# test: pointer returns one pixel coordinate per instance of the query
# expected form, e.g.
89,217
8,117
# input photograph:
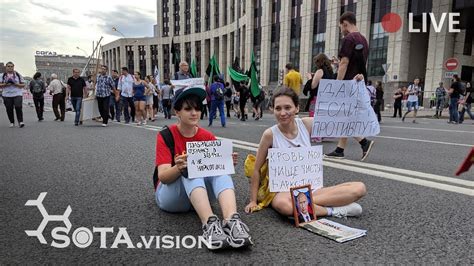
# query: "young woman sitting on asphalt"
290,132
178,193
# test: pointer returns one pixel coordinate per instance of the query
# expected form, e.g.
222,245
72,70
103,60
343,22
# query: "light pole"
79,48
115,29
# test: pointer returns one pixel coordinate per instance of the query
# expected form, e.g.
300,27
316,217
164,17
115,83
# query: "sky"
62,26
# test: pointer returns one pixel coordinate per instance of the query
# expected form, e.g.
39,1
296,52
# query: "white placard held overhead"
295,167
209,158
194,82
343,110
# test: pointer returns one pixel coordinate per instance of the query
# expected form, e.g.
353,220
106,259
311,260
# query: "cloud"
49,7
62,22
131,22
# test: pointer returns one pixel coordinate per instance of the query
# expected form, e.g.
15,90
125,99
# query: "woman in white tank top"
290,132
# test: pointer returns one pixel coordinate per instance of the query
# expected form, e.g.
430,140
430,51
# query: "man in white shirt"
125,86
412,101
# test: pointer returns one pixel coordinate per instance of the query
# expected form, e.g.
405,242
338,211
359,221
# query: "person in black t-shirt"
454,93
353,58
397,105
76,90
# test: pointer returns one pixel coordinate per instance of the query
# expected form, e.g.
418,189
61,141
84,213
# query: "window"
207,17
187,17
176,17
165,19
197,13
187,52
257,36
166,61
154,57
319,30
198,57
142,60
225,12
295,32
378,43
216,14
129,58
274,38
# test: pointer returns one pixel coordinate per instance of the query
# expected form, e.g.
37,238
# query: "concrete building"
283,31
62,65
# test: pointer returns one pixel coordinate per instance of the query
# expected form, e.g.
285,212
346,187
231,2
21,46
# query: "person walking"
167,97
37,89
244,94
125,86
139,99
397,104
466,103
104,87
293,79
412,101
149,89
228,98
114,103
58,89
217,101
76,90
353,58
454,94
440,94
12,84
378,100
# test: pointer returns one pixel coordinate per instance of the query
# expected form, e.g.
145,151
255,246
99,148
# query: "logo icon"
47,218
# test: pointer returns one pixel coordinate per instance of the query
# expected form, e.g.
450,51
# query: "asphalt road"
422,215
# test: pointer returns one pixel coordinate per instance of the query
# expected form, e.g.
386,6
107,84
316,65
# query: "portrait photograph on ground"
302,204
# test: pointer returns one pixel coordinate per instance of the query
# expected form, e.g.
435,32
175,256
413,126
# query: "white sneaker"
144,122
104,125
12,125
351,210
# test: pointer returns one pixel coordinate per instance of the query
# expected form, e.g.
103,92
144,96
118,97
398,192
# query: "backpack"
36,87
219,94
17,75
168,138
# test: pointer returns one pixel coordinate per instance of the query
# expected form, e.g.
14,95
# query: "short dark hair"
215,78
456,77
227,84
115,71
289,66
106,67
286,92
190,100
37,75
348,16
125,68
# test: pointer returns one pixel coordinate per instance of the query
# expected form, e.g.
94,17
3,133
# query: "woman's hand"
235,157
181,161
250,207
309,76
359,77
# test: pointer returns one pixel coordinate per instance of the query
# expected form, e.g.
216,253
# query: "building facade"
62,65
293,31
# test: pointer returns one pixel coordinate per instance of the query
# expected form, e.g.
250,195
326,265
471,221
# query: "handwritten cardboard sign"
209,158
343,110
194,82
295,167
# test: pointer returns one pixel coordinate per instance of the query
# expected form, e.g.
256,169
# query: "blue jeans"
214,105
174,197
76,103
453,110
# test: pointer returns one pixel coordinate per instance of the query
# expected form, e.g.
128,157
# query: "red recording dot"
391,22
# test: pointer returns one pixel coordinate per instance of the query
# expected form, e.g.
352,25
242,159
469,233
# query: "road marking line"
427,141
404,171
412,180
431,129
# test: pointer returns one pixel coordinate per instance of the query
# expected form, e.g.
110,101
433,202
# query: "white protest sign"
210,158
194,82
295,167
343,110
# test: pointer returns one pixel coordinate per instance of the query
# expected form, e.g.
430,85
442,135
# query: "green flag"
194,69
212,68
236,76
254,88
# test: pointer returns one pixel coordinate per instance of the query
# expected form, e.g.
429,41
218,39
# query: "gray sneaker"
237,231
214,235
351,210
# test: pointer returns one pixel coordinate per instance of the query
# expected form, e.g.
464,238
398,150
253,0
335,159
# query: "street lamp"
115,29
79,48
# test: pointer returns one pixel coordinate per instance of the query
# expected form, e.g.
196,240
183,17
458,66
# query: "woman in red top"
178,193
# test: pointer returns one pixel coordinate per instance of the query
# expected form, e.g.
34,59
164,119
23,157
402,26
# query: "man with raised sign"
353,57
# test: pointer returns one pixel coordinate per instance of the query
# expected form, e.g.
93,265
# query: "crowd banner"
193,82
343,110
209,158
295,167
90,109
